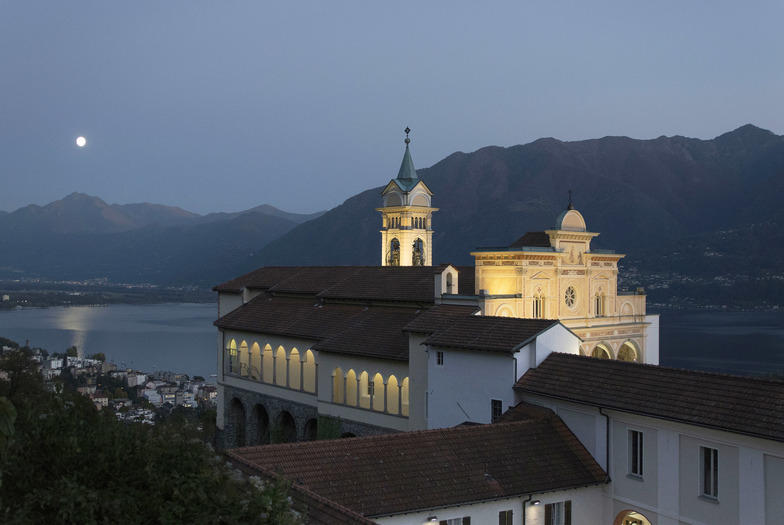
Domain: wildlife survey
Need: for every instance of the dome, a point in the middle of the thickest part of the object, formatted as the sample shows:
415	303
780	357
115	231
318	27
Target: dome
570	220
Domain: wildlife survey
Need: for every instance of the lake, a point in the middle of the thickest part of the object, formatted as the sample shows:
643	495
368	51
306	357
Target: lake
181	338
176	337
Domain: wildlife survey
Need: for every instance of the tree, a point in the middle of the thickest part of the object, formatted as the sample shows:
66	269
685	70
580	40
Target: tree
72	352
98	356
71	463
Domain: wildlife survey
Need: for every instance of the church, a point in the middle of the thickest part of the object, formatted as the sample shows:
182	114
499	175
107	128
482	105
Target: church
410	345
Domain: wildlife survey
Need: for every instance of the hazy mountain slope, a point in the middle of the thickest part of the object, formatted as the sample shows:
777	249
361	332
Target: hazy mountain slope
635	193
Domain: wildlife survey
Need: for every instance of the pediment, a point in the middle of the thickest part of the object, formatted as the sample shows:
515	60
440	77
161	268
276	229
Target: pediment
541	275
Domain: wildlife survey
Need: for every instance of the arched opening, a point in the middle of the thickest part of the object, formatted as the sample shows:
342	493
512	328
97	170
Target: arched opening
602	352
338	387
449	283
599	306
538	306
244	359
280	366
237	417
378	393
262	430
365	390
351	388
309	374
266	364
631	517
311	430
287	428
404	397
628	352
294	369
582	350
393	395
394	253
255	362
418	253
504	311
231	350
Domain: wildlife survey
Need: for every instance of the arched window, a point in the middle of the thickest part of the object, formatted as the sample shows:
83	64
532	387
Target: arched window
538	306
294	369
602	352
418	253
449	284
404	397
351	388
600	305
365	390
288	428
231	350
255	362
394	253
244	358
378	393
267	363
280	366
393	395
237	422
309	375
338	387
627	352
261	419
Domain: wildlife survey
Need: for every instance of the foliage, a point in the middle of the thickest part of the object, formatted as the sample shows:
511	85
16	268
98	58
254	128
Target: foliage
100	356
7	342
71	463
72	352
328	428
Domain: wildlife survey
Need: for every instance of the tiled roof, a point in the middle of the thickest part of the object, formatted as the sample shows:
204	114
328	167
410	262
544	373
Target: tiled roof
347	328
382	283
532	239
744	405
411	471
492	334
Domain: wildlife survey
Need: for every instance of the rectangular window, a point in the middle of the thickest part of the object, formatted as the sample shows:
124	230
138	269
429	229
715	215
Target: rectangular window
635	453
440	358
558	513
496	409
456	521
505	517
709	463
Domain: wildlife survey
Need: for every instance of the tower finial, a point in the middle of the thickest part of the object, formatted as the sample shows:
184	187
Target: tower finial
570	207
408	130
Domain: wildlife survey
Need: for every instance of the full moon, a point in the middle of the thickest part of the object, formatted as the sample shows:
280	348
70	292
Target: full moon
81	141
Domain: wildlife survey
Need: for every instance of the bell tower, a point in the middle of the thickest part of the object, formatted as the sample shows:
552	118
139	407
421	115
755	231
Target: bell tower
406	229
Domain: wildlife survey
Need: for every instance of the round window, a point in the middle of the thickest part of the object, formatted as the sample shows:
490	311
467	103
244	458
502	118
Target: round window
570	297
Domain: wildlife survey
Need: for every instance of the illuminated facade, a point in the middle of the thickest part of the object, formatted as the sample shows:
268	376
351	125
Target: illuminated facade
555	274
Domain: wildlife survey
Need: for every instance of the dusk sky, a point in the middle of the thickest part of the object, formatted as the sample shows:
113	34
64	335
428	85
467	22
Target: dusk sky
223	106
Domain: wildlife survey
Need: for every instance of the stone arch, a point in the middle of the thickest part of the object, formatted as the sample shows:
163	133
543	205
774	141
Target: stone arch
393	257
351	388
237	422
393	395
404	397
420	200
244	359
231	351
280	366
311	430
628	352
255	362
393	199
418	255
309	372
261	421
338	386
365	390
630	517
378	393
504	310
267	363
287	427
582	350
602	351
295	368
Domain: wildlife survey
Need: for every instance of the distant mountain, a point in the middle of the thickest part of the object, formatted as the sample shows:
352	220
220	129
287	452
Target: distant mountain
81	237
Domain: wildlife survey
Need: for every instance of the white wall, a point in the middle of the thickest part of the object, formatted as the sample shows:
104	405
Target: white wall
651	343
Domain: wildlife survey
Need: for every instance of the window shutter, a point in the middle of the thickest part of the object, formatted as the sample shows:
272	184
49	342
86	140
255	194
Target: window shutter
467	520
442	522
568	512
548	514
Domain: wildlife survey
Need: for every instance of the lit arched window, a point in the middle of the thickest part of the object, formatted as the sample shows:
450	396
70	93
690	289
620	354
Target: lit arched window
538	306
338	387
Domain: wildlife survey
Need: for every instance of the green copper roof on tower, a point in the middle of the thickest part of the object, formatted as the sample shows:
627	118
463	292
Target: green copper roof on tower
407	176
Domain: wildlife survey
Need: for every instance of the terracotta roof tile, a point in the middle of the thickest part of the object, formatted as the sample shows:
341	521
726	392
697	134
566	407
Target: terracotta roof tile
745	405
532	239
494	334
395	473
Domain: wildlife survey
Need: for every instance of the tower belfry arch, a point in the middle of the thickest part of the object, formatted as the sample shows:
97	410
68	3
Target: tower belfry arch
406	229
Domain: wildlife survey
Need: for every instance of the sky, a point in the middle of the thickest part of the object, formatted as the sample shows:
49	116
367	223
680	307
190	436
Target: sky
224	106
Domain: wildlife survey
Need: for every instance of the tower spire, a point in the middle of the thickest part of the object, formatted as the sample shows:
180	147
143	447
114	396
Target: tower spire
570	207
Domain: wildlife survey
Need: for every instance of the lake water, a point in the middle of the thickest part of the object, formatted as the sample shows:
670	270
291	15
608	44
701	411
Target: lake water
181	337
175	337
